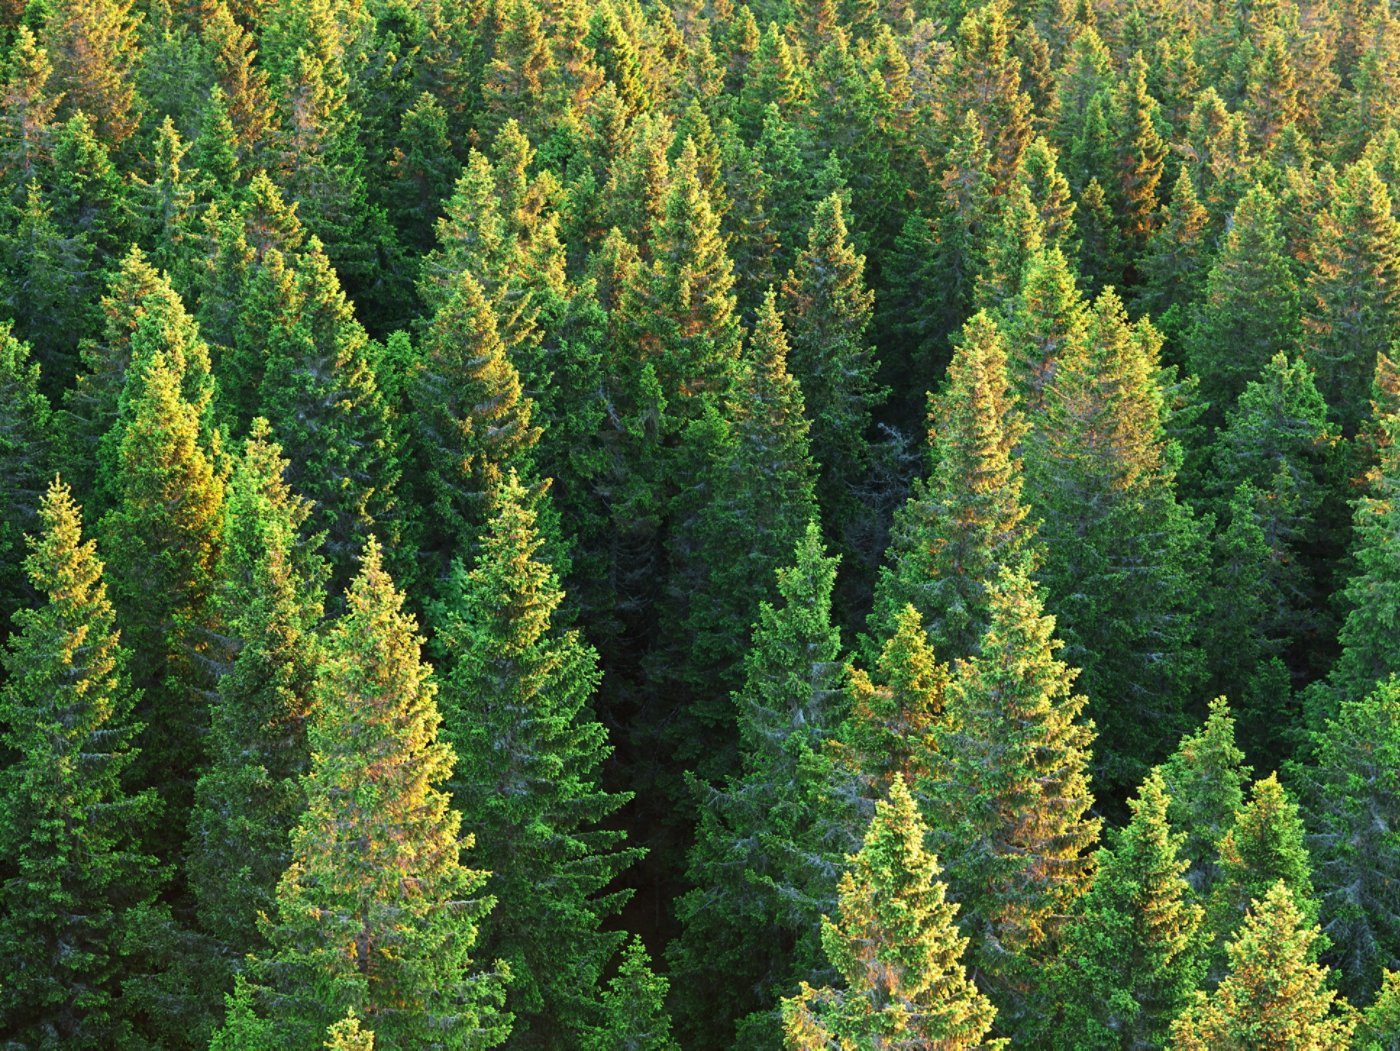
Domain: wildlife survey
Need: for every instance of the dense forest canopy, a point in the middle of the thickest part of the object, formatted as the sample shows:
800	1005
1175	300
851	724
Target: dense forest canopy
625	525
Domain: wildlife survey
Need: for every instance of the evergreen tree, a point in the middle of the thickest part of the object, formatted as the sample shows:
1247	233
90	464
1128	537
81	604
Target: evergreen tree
1249	312
897	950
25	461
1204	779
1353	778
1265	846
828	308
164	537
1275	997
1380	1025
474	424
1010	805
1175	263
328	413
1350	306
515	700
760	874
76	876
268	599
376	912
1121	552
28	109
1132	956
94	47
634	1008
966	521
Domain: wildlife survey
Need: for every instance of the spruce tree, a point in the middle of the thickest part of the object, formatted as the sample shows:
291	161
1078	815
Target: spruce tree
1275	997
1263	847
1249	312
760	877
1133	950
1121	553
828	309
164	537
515	702
634	1008
1010	805
376	912
76	873
1352	778
897	949
268	599
966	520
94	47
1351	306
1204	780
474	423
25	461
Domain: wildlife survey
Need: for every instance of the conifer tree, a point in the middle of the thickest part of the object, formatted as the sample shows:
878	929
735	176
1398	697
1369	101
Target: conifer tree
320	391
1175	263
1010	807
965	521
25	462
1351	305
759	495
1121	552
634	1008
1275	997
1140	156
1204	780
94	47
474	424
760	881
1353	778
77	875
1133	950
1249	312
376	912
828	309
268	598
897	949
1047	318
164	536
28	108
1380	1024
515	701
1264	846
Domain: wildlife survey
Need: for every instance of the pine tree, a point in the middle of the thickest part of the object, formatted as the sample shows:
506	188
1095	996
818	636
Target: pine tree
760	877
1121	552
1351	306
25	461
1204	780
76	875
164	536
897	948
828	309
376	913
634	1008
1249	312
965	521
268	599
515	697
1275	997
1264	846
1133	954
1352	779
28	108
1010	806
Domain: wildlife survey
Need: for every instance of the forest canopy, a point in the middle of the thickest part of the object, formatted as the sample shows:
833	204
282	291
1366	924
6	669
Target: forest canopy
630	525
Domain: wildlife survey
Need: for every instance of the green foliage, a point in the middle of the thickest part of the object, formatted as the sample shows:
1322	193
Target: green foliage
76	873
1133	950
376	913
515	702
634	1008
1276	996
896	948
